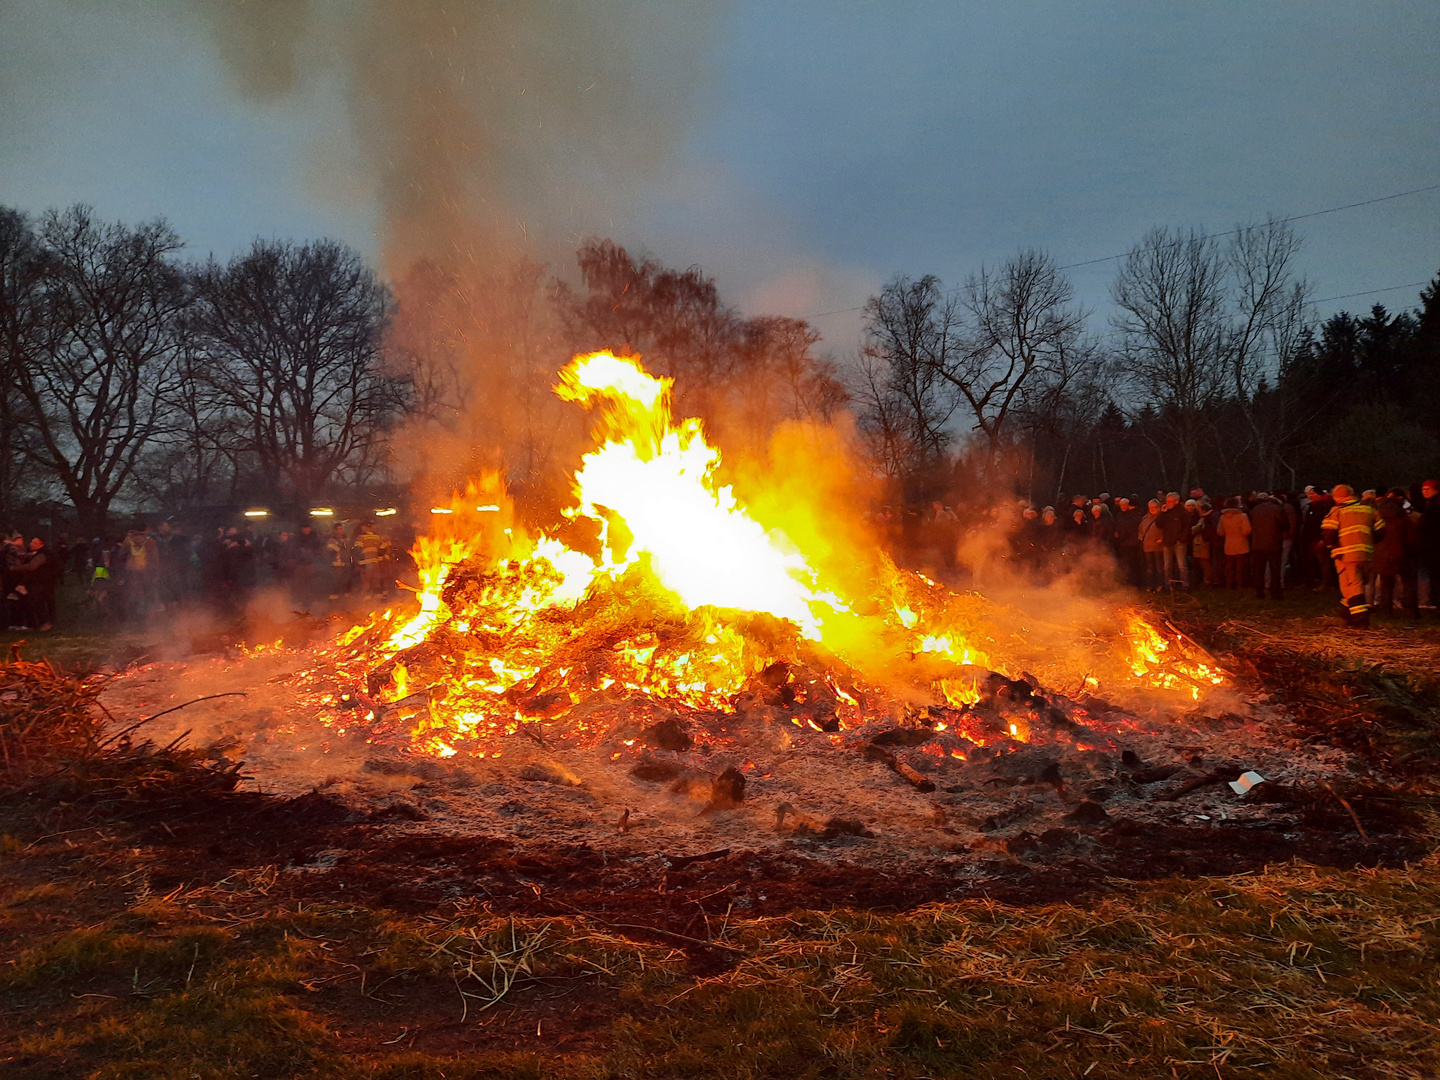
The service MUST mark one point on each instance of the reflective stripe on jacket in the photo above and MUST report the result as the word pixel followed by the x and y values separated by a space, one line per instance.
pixel 1355 525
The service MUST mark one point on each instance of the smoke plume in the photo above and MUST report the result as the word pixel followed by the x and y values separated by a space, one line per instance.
pixel 485 129
pixel 493 137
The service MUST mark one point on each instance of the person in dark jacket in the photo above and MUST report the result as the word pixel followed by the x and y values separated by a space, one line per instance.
pixel 1175 530
pixel 1025 540
pixel 1292 537
pixel 1102 527
pixel 1390 552
pixel 37 578
pixel 82 556
pixel 174 550
pixel 211 551
pixel 1268 528
pixel 1077 532
pixel 1320 567
pixel 1128 548
pixel 1428 548
pixel 13 604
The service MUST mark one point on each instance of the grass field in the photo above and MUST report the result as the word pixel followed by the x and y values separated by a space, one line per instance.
pixel 115 965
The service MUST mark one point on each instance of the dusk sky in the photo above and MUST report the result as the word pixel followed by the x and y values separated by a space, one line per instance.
pixel 808 151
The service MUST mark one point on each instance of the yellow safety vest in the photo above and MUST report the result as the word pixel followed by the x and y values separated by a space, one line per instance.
pixel 1355 524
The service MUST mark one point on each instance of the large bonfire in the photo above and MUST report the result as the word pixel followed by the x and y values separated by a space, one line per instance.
pixel 670 615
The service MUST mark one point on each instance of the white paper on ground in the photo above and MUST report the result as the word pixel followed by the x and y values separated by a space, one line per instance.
pixel 1246 782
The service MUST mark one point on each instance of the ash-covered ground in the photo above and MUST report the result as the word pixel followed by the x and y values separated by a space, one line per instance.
pixel 887 811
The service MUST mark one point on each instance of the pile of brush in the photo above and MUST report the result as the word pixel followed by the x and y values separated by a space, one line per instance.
pixel 53 747
pixel 46 716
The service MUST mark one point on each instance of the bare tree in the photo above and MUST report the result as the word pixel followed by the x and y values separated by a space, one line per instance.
pixel 293 336
pixel 1269 318
pixel 1022 337
pixel 1174 333
pixel 882 418
pixel 781 378
pixel 742 376
pixel 197 459
pixel 1063 400
pixel 911 338
pixel 95 383
pixel 21 319
pixel 672 318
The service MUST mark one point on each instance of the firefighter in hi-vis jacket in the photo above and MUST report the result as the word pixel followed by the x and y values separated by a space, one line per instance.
pixel 1350 530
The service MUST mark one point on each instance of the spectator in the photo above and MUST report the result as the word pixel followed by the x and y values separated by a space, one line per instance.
pixel 1127 541
pixel 234 559
pixel 174 549
pixel 246 556
pixel 1202 543
pixel 1268 526
pixel 1428 548
pixel 1025 542
pixel 1102 527
pixel 12 602
pixel 308 563
pixel 82 558
pixel 212 570
pixel 1319 566
pixel 37 578
pixel 1292 533
pixel 1152 545
pixel 1175 531
pixel 1391 551
pixel 1234 532
pixel 1077 531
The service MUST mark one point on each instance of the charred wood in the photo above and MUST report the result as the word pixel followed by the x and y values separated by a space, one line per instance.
pixel 885 757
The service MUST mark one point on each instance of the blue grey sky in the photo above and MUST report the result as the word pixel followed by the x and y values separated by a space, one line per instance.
pixel 811 150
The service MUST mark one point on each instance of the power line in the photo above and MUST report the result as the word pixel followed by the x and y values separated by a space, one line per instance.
pixel 1370 292
pixel 1280 221
pixel 1232 232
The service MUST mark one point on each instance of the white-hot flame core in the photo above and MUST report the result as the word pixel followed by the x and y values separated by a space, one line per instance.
pixel 659 479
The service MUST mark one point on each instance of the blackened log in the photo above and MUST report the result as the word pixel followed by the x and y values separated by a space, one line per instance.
pixel 885 757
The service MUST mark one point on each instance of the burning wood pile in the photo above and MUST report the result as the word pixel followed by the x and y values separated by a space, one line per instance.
pixel 671 621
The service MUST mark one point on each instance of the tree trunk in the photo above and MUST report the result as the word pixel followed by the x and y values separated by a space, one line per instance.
pixel 92 516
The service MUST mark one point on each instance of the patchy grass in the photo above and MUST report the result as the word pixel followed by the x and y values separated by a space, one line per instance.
pixel 1296 971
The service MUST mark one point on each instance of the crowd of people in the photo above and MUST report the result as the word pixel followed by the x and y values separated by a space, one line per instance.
pixel 153 569
pixel 1376 548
